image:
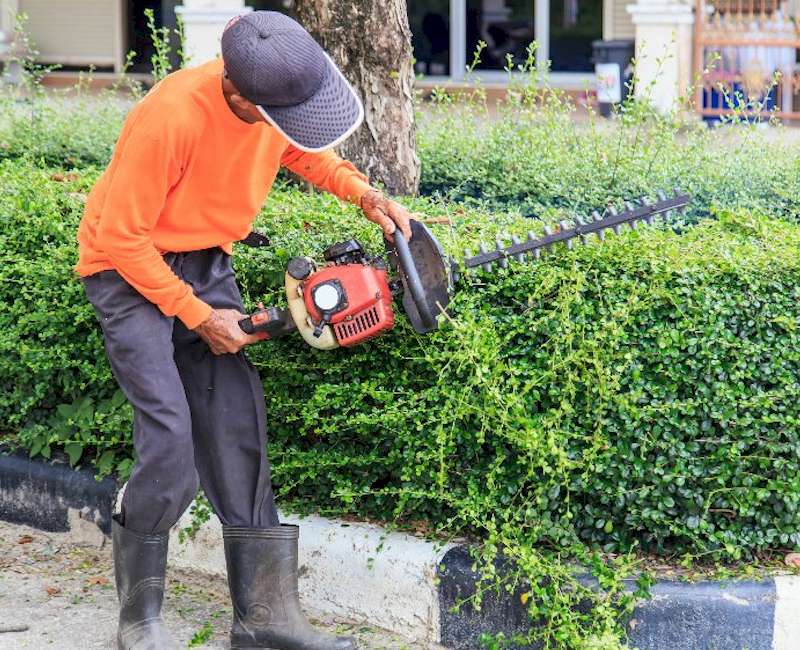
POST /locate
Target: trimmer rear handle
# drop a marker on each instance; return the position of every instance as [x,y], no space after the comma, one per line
[272,321]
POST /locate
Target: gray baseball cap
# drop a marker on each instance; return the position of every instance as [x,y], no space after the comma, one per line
[276,64]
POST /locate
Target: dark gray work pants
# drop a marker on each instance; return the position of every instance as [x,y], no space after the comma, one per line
[196,415]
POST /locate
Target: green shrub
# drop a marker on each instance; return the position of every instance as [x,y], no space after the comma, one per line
[640,392]
[529,157]
[532,156]
[70,131]
[643,391]
[57,388]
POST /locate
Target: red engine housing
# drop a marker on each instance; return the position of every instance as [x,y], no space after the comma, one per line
[367,311]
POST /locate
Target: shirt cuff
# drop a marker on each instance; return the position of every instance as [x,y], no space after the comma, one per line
[194,313]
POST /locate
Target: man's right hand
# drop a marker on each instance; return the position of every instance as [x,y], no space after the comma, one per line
[222,332]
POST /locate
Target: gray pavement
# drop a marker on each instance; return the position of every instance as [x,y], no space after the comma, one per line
[62,593]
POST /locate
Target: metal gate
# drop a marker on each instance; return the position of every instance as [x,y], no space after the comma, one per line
[746,58]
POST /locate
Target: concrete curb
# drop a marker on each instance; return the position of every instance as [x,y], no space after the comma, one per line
[705,615]
[361,572]
[355,571]
[54,497]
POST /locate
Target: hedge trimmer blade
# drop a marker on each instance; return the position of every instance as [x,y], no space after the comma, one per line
[635,212]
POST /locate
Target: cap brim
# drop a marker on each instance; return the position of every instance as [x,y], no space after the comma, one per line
[325,119]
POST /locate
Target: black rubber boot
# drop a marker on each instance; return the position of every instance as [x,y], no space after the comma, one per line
[140,562]
[262,575]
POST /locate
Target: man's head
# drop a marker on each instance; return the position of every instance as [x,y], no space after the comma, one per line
[274,69]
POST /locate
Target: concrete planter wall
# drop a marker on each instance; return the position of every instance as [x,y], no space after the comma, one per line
[361,572]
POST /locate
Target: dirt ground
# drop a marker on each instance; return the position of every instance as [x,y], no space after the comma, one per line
[61,595]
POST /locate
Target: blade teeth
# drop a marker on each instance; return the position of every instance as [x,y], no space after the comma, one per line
[612,211]
[467,255]
[649,219]
[516,240]
[563,227]
[580,221]
[503,261]
[503,254]
[488,265]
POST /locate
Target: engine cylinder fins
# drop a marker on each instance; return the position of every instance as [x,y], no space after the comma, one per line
[635,212]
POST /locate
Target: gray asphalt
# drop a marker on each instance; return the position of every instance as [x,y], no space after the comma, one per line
[63,594]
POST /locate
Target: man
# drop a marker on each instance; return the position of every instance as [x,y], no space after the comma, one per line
[191,169]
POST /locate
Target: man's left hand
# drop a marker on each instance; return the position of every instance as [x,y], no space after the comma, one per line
[386,213]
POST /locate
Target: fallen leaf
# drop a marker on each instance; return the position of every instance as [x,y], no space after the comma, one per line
[793,560]
[25,539]
[60,178]
[97,580]
[525,597]
[52,591]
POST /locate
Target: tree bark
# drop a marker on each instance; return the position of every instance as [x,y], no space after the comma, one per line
[371,43]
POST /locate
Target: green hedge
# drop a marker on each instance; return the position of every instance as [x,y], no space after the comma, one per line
[639,394]
[66,130]
[640,391]
[533,156]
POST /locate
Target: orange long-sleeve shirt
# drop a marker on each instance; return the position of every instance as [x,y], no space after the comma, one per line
[187,174]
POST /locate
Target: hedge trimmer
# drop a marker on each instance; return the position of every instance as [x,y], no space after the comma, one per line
[349,299]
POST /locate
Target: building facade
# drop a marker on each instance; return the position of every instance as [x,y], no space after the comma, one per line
[79,33]
[671,50]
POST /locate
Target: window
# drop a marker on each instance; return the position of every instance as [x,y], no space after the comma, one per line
[574,24]
[446,33]
[507,28]
[430,36]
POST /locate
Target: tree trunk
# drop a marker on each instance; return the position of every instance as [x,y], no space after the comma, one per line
[371,43]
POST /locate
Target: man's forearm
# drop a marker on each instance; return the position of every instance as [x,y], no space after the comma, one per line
[329,172]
